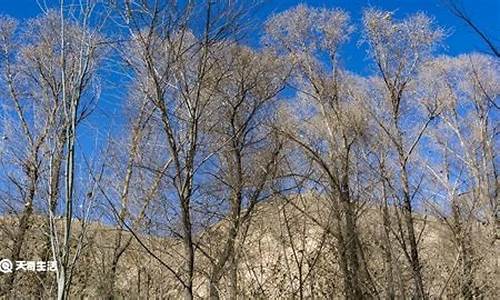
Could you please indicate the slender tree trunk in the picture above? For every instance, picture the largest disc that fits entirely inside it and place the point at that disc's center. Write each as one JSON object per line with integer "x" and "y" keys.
{"x": 352, "y": 253}
{"x": 24, "y": 224}
{"x": 408, "y": 220}
{"x": 464, "y": 245}
{"x": 228, "y": 255}
{"x": 412, "y": 240}
{"x": 117, "y": 253}
{"x": 233, "y": 277}
{"x": 355, "y": 273}
{"x": 389, "y": 280}
{"x": 188, "y": 248}
{"x": 53, "y": 185}
{"x": 343, "y": 257}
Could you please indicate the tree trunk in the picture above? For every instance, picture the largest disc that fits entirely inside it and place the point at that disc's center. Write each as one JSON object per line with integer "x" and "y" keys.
{"x": 188, "y": 249}
{"x": 464, "y": 245}
{"x": 410, "y": 227}
{"x": 389, "y": 280}
{"x": 24, "y": 225}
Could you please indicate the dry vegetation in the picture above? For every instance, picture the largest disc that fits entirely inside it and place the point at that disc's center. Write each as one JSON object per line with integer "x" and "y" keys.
{"x": 150, "y": 152}
{"x": 286, "y": 252}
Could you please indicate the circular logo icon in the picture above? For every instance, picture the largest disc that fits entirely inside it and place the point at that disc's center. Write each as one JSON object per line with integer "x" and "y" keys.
{"x": 6, "y": 266}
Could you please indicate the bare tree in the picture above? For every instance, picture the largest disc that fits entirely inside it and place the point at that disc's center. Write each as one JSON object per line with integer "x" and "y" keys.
{"x": 176, "y": 69}
{"x": 31, "y": 138}
{"x": 244, "y": 171}
{"x": 137, "y": 182}
{"x": 55, "y": 79}
{"x": 81, "y": 49}
{"x": 330, "y": 127}
{"x": 247, "y": 151}
{"x": 398, "y": 49}
{"x": 465, "y": 143}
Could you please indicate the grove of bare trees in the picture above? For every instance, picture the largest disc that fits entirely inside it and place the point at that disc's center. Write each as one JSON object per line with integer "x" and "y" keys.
{"x": 189, "y": 149}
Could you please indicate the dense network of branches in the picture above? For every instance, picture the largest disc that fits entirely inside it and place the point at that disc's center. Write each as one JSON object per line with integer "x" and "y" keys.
{"x": 152, "y": 149}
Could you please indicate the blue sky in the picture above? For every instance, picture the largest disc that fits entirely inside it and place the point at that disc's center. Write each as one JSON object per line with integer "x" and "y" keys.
{"x": 486, "y": 13}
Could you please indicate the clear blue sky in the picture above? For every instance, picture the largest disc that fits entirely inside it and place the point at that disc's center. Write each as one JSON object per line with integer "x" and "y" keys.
{"x": 486, "y": 13}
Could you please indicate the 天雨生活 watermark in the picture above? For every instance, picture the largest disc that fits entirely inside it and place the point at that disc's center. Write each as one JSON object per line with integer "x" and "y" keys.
{"x": 8, "y": 266}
